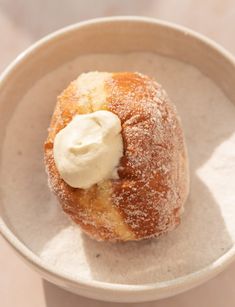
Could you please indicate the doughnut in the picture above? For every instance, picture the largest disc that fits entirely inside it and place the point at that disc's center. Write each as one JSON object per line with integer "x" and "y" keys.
{"x": 147, "y": 196}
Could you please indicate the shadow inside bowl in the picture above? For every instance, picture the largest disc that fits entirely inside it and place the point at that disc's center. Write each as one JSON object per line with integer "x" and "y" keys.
{"x": 170, "y": 256}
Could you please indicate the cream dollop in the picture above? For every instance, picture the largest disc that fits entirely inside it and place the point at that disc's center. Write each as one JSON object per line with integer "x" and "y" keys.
{"x": 89, "y": 148}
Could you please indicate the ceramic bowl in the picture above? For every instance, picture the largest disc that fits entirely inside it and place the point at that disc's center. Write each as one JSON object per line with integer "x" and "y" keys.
{"x": 106, "y": 35}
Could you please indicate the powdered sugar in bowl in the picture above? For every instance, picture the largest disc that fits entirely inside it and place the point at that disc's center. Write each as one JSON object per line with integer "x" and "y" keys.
{"x": 200, "y": 79}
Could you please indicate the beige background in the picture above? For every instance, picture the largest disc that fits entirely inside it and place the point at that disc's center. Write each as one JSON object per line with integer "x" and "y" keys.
{"x": 22, "y": 22}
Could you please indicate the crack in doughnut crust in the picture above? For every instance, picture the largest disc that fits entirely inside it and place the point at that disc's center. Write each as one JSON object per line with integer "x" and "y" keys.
{"x": 147, "y": 200}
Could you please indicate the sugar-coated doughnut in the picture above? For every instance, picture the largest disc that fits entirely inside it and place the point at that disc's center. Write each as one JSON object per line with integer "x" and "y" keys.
{"x": 148, "y": 197}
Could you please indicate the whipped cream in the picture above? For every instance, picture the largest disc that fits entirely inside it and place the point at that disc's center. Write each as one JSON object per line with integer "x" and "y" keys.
{"x": 88, "y": 149}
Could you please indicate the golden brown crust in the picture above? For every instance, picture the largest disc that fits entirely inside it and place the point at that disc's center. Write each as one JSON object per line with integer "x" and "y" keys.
{"x": 147, "y": 198}
{"x": 148, "y": 194}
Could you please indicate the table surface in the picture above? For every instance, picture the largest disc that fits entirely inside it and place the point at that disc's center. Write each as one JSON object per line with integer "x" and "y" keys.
{"x": 22, "y": 22}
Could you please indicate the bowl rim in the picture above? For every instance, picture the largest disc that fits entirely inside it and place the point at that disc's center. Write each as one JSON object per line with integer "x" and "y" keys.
{"x": 176, "y": 285}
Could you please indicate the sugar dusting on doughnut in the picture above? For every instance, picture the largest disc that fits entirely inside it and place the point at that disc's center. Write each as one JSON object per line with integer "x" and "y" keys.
{"x": 147, "y": 200}
{"x": 152, "y": 187}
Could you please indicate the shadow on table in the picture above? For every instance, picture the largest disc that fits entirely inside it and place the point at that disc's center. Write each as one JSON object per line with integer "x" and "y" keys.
{"x": 217, "y": 292}
{"x": 57, "y": 297}
{"x": 57, "y": 14}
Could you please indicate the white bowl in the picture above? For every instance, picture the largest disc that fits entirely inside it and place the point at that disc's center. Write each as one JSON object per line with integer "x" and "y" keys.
{"x": 107, "y": 35}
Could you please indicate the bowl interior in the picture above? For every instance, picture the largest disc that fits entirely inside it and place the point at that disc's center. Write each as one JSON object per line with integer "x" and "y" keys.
{"x": 198, "y": 79}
